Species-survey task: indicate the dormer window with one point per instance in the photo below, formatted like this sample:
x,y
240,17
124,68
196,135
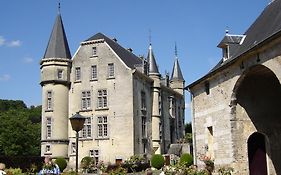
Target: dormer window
x,y
225,53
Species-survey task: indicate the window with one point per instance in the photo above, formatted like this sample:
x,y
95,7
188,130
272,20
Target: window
x,y
73,148
60,74
77,74
49,127
102,98
94,51
95,154
210,146
87,130
143,126
94,72
86,100
110,70
102,127
207,87
49,100
48,148
143,101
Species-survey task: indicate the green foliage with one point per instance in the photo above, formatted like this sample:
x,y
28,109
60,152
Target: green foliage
x,y
6,105
186,159
118,171
188,138
188,127
20,129
14,171
157,161
88,164
225,171
61,162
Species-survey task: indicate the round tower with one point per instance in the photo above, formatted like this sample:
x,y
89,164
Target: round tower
x,y
156,120
55,81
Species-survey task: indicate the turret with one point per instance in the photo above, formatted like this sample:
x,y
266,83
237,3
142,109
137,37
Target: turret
x,y
55,81
156,121
177,81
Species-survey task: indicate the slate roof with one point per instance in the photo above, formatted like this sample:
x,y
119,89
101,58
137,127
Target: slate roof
x,y
152,66
265,27
57,45
176,73
126,56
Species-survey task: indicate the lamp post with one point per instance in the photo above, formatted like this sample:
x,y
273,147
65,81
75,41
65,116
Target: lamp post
x,y
77,122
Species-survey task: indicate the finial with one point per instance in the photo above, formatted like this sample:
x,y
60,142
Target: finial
x,y
226,30
176,50
59,7
149,36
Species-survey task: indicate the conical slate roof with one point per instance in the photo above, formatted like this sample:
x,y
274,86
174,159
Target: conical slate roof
x,y
176,73
152,66
57,45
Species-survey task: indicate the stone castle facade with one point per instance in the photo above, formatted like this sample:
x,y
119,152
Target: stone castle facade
x,y
129,107
236,106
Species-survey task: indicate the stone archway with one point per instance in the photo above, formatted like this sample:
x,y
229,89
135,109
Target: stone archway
x,y
257,154
256,107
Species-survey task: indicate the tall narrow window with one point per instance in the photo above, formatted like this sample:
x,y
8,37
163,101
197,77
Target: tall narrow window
x,y
48,127
77,74
210,147
73,148
102,98
143,101
49,100
86,100
60,74
87,130
48,149
110,70
207,87
94,51
94,72
102,127
143,126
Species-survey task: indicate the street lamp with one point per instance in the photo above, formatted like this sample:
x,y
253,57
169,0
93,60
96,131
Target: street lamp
x,y
77,122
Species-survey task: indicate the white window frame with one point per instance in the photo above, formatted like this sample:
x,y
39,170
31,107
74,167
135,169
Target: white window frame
x,y
86,132
110,70
49,105
94,51
48,149
95,153
60,74
102,99
102,127
94,72
86,100
77,73
73,148
49,127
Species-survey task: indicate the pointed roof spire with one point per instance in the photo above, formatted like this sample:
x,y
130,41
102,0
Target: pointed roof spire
x,y
57,45
152,66
176,73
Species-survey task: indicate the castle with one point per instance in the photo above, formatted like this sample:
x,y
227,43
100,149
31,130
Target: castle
x,y
236,106
129,107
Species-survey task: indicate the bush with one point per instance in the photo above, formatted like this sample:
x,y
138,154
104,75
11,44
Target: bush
x,y
62,163
186,159
88,164
157,161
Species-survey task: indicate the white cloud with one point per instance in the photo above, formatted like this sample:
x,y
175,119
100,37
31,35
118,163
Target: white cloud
x,y
5,77
28,60
2,40
14,43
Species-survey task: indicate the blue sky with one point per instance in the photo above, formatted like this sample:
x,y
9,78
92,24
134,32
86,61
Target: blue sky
x,y
197,26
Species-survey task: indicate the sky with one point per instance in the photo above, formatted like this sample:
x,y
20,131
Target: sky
x,y
196,26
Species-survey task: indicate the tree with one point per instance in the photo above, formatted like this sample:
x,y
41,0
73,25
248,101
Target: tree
x,y
20,130
188,127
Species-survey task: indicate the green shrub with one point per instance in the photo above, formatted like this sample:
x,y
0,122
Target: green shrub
x,y
88,164
186,159
157,161
14,171
61,162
